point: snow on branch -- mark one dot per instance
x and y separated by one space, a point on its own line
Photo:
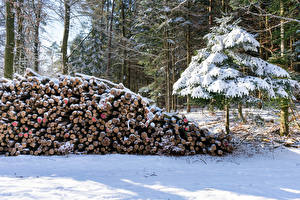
226 68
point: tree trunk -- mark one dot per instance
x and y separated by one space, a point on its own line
123 73
210 13
240 110
284 117
64 47
168 63
261 38
20 40
270 32
227 130
110 39
223 5
188 55
10 40
173 79
37 11
282 46
167 71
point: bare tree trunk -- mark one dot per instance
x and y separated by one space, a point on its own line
123 73
240 110
227 129
110 39
284 114
188 55
129 76
167 69
173 78
37 11
64 47
282 46
284 117
210 13
20 40
10 40
261 38
168 63
270 32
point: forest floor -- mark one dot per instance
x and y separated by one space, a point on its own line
261 167
260 131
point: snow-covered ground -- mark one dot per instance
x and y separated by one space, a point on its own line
269 175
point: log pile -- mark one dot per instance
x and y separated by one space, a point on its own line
83 114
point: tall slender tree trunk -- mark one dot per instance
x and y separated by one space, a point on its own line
173 78
64 47
261 38
20 39
123 73
37 10
270 32
131 13
282 46
210 13
292 50
110 39
167 69
10 40
284 114
188 54
227 129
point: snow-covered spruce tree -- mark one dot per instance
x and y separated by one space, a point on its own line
225 70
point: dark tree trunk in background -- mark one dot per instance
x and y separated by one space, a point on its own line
188 54
282 45
10 40
168 65
173 78
123 72
210 13
37 10
110 40
227 129
64 47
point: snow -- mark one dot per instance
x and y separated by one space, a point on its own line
269 175
226 57
239 36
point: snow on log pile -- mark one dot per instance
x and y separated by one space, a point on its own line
83 114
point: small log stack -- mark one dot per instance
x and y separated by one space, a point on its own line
86 115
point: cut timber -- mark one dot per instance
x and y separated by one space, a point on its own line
87 115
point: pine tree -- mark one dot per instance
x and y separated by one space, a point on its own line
226 70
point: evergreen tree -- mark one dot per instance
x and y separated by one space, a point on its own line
226 70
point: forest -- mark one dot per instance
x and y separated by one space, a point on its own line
147 46
204 95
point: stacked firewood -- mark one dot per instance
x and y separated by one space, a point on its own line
83 114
